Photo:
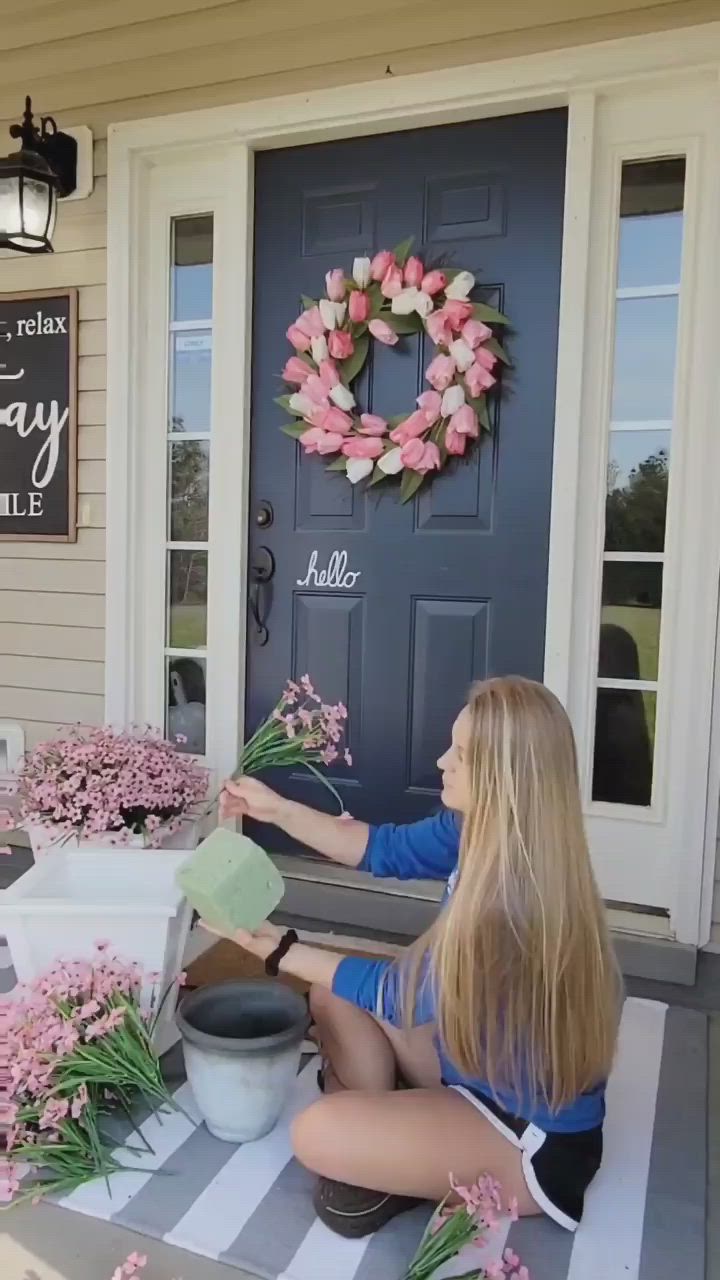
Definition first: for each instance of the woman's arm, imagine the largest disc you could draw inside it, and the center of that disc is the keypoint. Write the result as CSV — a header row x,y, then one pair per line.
x,y
342,839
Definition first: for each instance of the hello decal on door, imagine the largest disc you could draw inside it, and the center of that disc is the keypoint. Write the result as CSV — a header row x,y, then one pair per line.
x,y
336,574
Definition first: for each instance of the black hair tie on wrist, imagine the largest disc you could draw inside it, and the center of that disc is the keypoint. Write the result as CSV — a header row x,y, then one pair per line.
x,y
272,964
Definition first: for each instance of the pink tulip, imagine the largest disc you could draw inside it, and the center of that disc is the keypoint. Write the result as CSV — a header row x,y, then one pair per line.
x,y
372,424
299,340
474,332
316,390
457,312
421,457
337,421
382,331
335,284
431,458
439,329
358,306
310,322
318,441
464,422
392,282
414,273
479,379
412,453
380,264
329,375
340,344
486,358
411,429
455,442
296,371
430,402
362,447
316,414
440,372
433,282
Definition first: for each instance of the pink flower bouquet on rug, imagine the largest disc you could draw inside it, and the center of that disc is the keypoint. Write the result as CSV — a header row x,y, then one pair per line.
x,y
469,1221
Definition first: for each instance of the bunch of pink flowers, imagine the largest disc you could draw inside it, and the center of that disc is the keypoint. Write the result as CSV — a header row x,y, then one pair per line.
x,y
92,781
474,1214
75,1041
387,296
302,730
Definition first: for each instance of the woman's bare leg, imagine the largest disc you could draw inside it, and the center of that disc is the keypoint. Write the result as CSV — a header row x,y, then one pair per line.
x,y
407,1144
363,1053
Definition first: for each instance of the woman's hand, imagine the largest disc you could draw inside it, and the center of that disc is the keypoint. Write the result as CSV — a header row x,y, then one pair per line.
x,y
248,798
261,943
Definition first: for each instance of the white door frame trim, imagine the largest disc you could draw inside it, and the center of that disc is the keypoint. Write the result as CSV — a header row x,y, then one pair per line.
x,y
574,79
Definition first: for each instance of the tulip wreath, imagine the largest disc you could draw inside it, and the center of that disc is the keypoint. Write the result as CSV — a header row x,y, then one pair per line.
x,y
389,296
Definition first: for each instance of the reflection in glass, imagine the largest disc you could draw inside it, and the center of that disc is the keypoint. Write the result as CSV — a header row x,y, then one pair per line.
x,y
190,381
192,268
185,713
187,599
651,202
645,341
630,629
637,483
189,476
624,739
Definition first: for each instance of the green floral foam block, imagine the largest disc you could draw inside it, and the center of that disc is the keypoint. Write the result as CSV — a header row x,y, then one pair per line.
x,y
231,882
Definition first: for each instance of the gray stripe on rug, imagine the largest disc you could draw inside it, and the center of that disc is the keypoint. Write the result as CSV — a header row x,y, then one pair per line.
x,y
273,1233
674,1226
391,1249
543,1247
171,1192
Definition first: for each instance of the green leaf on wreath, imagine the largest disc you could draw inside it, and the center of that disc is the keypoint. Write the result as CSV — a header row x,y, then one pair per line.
x,y
377,478
402,250
377,301
337,464
494,346
308,303
284,402
295,430
395,421
350,368
402,325
489,315
410,484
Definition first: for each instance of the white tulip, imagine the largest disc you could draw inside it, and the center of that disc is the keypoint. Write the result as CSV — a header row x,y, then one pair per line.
x,y
319,349
361,272
391,462
423,303
404,303
301,404
460,287
453,399
358,468
343,398
462,354
328,313
340,309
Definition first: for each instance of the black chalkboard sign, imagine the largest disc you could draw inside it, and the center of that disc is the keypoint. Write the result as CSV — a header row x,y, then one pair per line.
x,y
38,416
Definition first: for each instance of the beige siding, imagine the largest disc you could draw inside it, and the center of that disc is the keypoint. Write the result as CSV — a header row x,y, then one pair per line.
x,y
94,62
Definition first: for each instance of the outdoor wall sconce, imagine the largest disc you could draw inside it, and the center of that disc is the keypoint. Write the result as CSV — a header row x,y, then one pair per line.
x,y
31,180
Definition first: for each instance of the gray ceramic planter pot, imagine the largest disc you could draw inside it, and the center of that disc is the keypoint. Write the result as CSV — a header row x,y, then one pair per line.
x,y
242,1044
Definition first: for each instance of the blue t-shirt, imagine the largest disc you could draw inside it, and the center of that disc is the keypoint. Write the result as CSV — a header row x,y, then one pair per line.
x,y
428,850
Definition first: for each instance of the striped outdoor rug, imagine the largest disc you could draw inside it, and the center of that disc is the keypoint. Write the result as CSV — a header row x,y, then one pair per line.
x,y
250,1206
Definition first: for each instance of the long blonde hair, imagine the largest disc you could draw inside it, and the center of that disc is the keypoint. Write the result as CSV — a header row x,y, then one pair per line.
x,y
523,970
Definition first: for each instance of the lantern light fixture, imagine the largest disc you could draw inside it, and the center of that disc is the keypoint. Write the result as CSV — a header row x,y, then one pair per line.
x,y
31,180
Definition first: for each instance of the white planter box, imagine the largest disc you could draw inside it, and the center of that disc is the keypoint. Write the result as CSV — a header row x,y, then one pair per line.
x,y
49,839
65,904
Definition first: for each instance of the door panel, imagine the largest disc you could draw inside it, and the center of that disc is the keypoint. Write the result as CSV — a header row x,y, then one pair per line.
x,y
451,586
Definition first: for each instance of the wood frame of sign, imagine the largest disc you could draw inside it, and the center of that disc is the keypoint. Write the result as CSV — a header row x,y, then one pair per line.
x,y
40,417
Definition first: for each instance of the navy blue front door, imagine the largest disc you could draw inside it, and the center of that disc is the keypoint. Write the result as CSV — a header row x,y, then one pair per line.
x,y
452,586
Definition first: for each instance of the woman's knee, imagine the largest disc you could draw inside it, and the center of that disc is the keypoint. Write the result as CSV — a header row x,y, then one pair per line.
x,y
310,1133
323,1004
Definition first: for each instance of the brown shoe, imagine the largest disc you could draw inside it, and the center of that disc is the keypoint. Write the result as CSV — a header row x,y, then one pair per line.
x,y
353,1211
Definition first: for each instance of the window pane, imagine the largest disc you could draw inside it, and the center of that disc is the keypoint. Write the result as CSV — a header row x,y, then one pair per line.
x,y
624,742
185,715
192,268
187,599
645,340
190,381
189,475
637,483
651,203
630,624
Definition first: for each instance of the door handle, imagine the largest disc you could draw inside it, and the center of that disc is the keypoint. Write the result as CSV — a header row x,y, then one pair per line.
x,y
262,570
